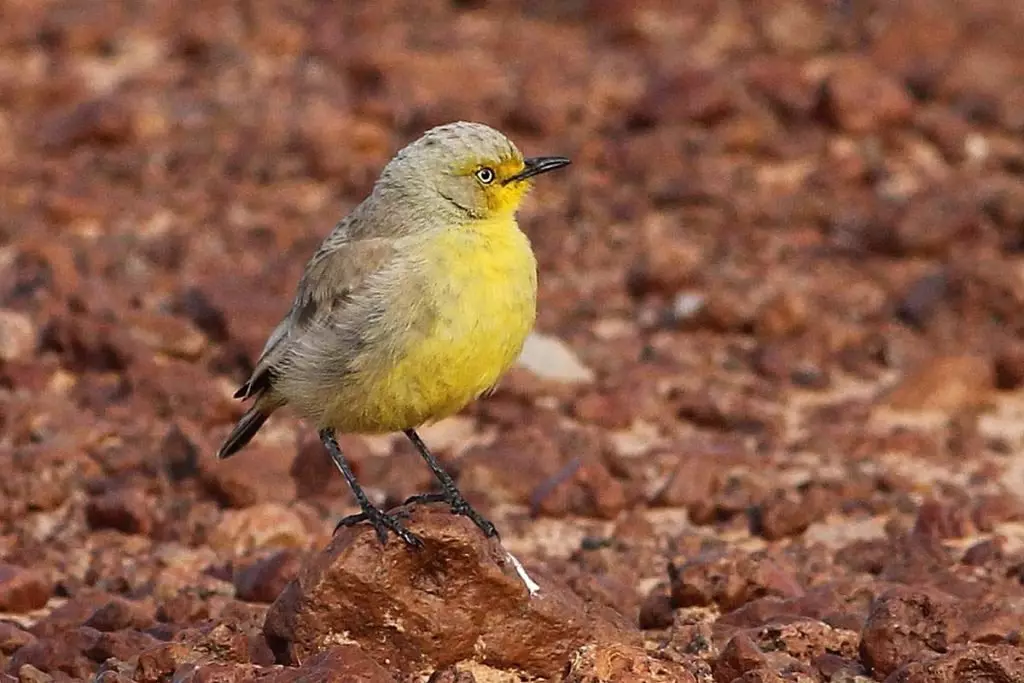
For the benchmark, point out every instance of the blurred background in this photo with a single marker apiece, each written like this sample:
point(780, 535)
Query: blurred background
point(781, 295)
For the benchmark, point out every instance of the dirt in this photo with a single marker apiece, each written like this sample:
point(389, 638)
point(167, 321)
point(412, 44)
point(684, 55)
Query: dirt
point(773, 429)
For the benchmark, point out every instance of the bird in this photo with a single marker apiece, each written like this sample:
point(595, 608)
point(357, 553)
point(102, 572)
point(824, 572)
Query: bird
point(413, 306)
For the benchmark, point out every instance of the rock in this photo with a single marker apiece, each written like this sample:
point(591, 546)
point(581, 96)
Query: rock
point(128, 511)
point(907, 622)
point(935, 223)
point(158, 663)
point(260, 474)
point(61, 654)
point(120, 614)
point(970, 664)
point(862, 99)
point(269, 525)
point(12, 638)
point(22, 590)
point(263, 580)
point(29, 674)
point(167, 335)
point(549, 358)
point(458, 598)
point(339, 664)
point(217, 672)
point(623, 664)
point(730, 580)
point(17, 336)
point(946, 384)
point(104, 120)
point(121, 645)
point(665, 267)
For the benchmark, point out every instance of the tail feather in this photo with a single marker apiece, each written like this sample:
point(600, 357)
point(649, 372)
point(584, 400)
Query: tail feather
point(243, 432)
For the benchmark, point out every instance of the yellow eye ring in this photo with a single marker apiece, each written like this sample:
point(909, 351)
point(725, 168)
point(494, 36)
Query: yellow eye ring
point(485, 175)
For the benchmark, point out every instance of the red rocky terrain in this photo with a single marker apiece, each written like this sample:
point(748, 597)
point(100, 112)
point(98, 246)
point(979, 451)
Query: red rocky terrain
point(772, 429)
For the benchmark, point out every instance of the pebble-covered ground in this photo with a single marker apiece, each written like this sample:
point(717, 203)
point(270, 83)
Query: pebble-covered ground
point(771, 428)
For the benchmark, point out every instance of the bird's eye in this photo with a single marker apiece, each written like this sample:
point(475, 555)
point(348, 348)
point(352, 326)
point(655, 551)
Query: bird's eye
point(485, 175)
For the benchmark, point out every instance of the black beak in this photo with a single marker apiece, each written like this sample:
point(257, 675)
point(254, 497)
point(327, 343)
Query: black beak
point(537, 165)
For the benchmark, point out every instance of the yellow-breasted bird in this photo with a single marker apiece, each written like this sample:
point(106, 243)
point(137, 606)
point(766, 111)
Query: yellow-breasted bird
point(415, 304)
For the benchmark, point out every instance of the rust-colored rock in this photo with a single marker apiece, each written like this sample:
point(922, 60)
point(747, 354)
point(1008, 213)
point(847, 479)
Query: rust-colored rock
point(968, 664)
point(263, 580)
point(623, 664)
point(22, 590)
point(905, 623)
point(730, 580)
point(458, 598)
point(339, 664)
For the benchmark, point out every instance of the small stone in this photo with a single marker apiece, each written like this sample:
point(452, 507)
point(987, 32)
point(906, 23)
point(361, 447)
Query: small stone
point(623, 664)
point(862, 99)
point(947, 384)
point(905, 623)
point(338, 664)
point(17, 336)
point(263, 580)
point(269, 525)
point(549, 358)
point(128, 511)
point(22, 590)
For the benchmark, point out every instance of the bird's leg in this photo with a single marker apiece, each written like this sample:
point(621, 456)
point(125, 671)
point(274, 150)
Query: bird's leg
point(380, 520)
point(449, 493)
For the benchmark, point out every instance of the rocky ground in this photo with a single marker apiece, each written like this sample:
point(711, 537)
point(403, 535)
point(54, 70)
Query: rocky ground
point(780, 438)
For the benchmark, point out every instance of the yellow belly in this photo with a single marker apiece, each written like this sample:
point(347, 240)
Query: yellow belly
point(483, 294)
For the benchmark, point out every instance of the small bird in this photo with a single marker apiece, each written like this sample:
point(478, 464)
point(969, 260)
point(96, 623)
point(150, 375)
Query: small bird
point(413, 306)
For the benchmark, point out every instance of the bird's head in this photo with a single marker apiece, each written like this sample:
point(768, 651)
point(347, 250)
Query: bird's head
point(473, 167)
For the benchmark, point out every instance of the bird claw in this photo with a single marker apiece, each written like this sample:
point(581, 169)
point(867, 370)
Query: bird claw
point(382, 523)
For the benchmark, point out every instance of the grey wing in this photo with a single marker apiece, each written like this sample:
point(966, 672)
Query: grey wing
point(328, 282)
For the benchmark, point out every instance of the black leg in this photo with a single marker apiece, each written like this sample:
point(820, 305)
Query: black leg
point(450, 494)
point(380, 521)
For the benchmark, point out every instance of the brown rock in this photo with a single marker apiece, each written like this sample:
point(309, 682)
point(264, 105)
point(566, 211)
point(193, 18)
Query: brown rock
point(656, 611)
point(218, 672)
point(969, 664)
point(264, 579)
point(588, 489)
point(158, 663)
point(104, 120)
point(730, 580)
point(339, 664)
point(934, 223)
point(863, 99)
point(943, 520)
point(62, 655)
point(458, 598)
point(664, 268)
point(12, 638)
point(129, 511)
point(259, 475)
point(782, 82)
point(451, 674)
point(121, 645)
point(948, 384)
point(17, 335)
point(22, 590)
point(806, 639)
point(29, 674)
point(269, 525)
point(167, 335)
point(121, 614)
point(905, 623)
point(623, 664)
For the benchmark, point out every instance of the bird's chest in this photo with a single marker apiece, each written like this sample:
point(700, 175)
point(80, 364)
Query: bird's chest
point(485, 303)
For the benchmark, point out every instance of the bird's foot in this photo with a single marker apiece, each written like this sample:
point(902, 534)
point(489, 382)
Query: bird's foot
point(382, 522)
point(458, 506)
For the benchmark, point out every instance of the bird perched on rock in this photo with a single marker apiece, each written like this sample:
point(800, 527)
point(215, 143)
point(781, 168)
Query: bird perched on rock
point(415, 304)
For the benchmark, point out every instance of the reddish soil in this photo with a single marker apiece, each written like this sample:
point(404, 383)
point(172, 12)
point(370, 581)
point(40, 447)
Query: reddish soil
point(790, 251)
